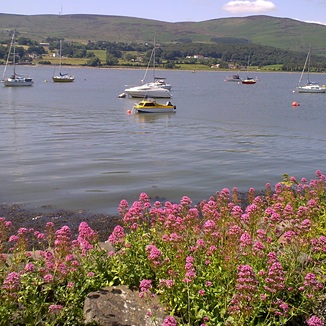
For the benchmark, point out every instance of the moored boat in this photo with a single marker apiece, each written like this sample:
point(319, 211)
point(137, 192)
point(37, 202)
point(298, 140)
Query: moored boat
point(151, 106)
point(248, 81)
point(15, 80)
point(233, 78)
point(62, 78)
point(158, 88)
point(309, 87)
point(148, 91)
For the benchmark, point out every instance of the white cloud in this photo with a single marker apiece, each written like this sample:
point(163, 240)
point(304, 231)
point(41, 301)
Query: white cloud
point(314, 22)
point(246, 6)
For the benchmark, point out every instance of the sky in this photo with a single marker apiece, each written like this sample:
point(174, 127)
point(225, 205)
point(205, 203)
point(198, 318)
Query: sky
point(174, 10)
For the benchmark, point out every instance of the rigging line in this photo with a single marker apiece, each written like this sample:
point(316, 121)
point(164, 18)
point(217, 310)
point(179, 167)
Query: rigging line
point(11, 43)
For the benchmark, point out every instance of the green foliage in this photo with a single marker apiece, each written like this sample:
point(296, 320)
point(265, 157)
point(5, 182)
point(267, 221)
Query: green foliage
point(93, 62)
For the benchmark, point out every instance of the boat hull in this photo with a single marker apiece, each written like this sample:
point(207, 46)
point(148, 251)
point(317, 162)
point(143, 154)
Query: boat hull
point(148, 106)
point(154, 110)
point(248, 81)
point(148, 91)
point(63, 79)
point(311, 89)
point(18, 82)
point(141, 94)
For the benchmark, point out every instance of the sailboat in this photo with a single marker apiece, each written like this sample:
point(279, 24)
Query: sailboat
point(15, 79)
point(310, 87)
point(157, 81)
point(62, 78)
point(157, 88)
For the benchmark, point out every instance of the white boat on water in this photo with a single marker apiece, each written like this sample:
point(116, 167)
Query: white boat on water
point(159, 82)
point(62, 78)
point(15, 80)
point(309, 87)
point(157, 88)
point(148, 91)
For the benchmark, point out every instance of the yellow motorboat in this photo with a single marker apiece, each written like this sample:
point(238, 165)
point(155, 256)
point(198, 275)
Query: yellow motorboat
point(151, 106)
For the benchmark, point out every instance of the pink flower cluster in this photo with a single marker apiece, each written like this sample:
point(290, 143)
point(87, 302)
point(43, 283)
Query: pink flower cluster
point(86, 237)
point(246, 286)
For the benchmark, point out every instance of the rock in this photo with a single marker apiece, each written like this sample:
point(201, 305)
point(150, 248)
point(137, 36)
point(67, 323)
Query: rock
point(120, 306)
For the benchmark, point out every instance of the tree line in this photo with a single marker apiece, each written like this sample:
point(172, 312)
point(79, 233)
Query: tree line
point(221, 51)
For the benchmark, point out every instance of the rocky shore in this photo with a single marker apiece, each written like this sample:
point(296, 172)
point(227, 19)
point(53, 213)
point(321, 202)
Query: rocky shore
point(36, 218)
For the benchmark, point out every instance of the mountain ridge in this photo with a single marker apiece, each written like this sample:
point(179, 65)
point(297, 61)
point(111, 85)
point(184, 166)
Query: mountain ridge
point(284, 33)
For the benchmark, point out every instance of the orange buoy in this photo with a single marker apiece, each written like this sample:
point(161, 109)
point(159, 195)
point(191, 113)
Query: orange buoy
point(129, 111)
point(295, 104)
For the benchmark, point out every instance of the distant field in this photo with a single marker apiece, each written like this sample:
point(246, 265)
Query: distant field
point(101, 54)
point(122, 63)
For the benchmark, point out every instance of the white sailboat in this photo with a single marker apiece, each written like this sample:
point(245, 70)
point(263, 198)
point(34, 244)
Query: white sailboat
point(15, 80)
point(157, 88)
point(309, 87)
point(157, 81)
point(62, 78)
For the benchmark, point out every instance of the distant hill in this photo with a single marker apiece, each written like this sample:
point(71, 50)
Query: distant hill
point(281, 33)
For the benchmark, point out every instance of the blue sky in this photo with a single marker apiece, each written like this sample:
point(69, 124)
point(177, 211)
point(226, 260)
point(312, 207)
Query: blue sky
point(174, 10)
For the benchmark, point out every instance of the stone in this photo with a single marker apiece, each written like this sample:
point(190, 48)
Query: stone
point(121, 306)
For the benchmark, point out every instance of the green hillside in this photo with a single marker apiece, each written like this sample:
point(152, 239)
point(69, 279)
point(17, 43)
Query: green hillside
point(281, 33)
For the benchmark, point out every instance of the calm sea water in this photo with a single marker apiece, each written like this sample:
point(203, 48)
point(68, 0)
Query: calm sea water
point(74, 146)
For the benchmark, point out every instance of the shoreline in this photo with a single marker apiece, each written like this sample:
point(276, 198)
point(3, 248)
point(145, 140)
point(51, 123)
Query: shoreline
point(36, 218)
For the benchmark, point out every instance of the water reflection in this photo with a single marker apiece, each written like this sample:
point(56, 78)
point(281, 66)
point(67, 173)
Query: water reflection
point(152, 117)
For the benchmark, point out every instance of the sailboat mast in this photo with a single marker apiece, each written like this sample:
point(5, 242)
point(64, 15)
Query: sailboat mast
point(154, 58)
point(14, 59)
point(8, 57)
point(60, 50)
point(304, 67)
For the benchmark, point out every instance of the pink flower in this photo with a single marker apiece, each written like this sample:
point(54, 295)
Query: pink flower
point(209, 226)
point(70, 284)
point(86, 233)
point(275, 278)
point(190, 259)
point(29, 267)
point(12, 282)
point(123, 207)
point(143, 198)
point(185, 201)
point(258, 246)
point(167, 283)
point(153, 252)
point(117, 236)
point(314, 321)
point(13, 238)
point(48, 278)
point(245, 240)
point(55, 308)
point(288, 235)
point(169, 321)
point(200, 243)
point(208, 283)
point(145, 285)
point(236, 212)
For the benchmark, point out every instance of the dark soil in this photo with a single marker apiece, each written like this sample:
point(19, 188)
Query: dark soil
point(21, 216)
